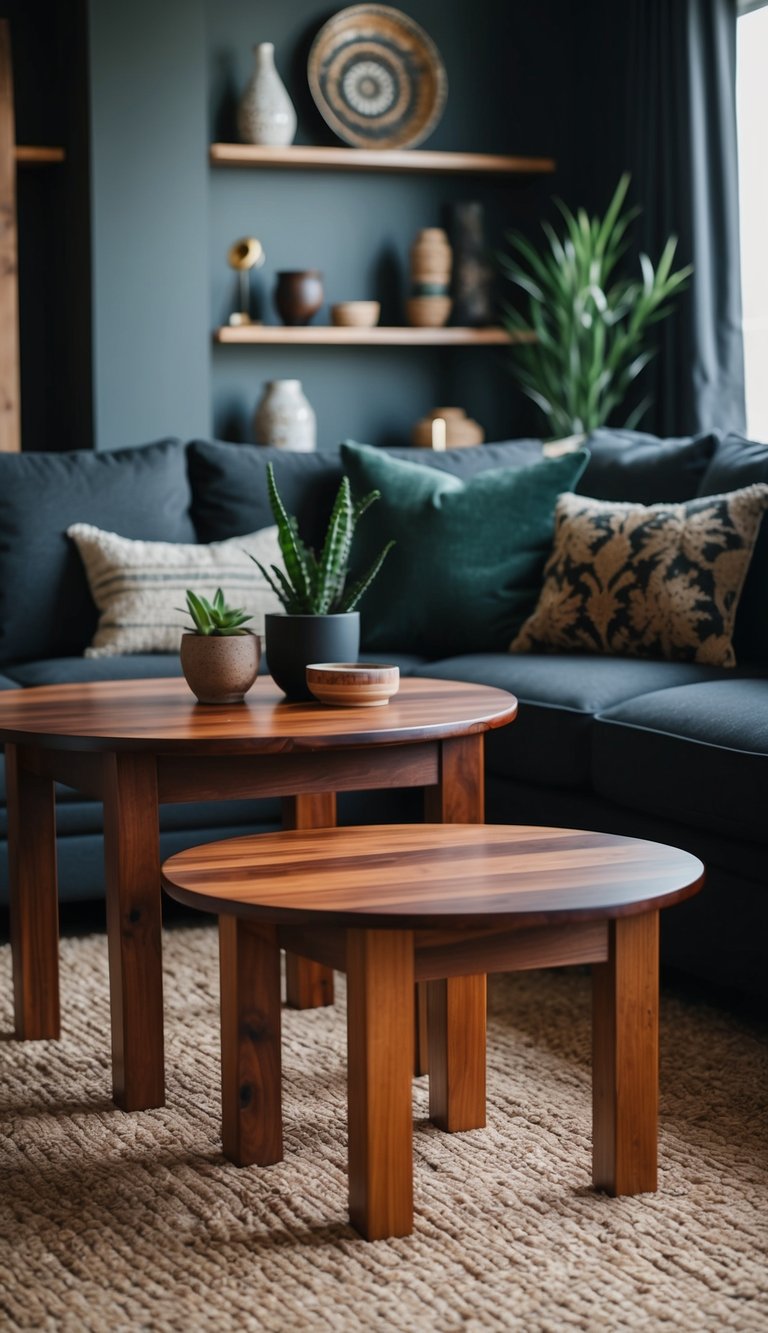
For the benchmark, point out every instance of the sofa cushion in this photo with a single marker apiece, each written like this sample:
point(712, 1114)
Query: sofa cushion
point(646, 581)
point(140, 587)
point(549, 742)
point(136, 666)
point(46, 609)
point(229, 488)
point(739, 462)
point(229, 484)
point(83, 670)
point(629, 465)
point(468, 556)
point(696, 753)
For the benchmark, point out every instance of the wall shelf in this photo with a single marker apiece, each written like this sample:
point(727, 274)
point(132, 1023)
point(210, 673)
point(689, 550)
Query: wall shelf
point(28, 155)
point(380, 336)
point(298, 157)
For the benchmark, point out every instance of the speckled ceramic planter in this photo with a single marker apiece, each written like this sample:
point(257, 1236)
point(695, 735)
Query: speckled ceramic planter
point(220, 669)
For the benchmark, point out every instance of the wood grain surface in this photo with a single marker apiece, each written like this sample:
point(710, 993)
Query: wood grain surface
point(164, 715)
point(375, 159)
point(625, 1058)
point(10, 391)
point(412, 876)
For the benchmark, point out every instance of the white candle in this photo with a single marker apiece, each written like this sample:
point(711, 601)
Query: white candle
point(438, 433)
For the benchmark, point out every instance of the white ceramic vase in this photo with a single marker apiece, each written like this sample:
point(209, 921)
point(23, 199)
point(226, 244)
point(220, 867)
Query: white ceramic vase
point(284, 418)
point(266, 113)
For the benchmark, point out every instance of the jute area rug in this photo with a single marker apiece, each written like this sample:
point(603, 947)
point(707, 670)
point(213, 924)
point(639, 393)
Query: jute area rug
point(111, 1221)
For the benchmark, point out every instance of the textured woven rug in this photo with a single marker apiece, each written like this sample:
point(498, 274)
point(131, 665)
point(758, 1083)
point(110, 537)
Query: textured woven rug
point(111, 1221)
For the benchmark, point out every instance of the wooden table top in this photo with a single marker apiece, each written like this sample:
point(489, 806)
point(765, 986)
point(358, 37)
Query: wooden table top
point(164, 715)
point(427, 876)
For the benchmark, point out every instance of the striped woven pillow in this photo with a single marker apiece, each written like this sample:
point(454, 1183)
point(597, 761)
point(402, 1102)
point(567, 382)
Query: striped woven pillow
point(139, 586)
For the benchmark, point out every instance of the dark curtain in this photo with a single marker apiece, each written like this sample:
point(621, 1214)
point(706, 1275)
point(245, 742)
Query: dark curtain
point(681, 151)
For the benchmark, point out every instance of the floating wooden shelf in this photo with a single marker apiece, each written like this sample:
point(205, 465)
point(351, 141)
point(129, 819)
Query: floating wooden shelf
point(367, 159)
point(380, 336)
point(29, 156)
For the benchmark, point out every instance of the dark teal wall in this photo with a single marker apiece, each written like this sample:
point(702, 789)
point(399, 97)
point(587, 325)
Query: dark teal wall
point(165, 78)
point(503, 62)
point(149, 220)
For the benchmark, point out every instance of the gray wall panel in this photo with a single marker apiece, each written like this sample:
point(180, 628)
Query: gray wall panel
point(149, 218)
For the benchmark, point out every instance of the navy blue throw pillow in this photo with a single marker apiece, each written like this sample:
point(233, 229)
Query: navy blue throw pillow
point(46, 609)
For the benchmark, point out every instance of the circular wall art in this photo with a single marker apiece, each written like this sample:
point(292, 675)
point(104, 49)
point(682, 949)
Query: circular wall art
point(377, 78)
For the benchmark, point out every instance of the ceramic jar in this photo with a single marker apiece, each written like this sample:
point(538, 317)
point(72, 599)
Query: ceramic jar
point(266, 114)
point(429, 304)
point(298, 295)
point(431, 261)
point(460, 431)
point(284, 418)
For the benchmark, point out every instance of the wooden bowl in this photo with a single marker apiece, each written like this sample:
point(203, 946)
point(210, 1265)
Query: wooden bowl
point(349, 685)
point(356, 314)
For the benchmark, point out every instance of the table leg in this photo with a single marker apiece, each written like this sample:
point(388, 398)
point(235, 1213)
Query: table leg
point(308, 985)
point(134, 929)
point(456, 1007)
point(456, 1022)
point(252, 1128)
point(34, 907)
point(625, 1058)
point(380, 1061)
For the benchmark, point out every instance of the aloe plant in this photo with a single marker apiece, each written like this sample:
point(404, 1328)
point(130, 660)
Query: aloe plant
point(215, 618)
point(590, 322)
point(312, 585)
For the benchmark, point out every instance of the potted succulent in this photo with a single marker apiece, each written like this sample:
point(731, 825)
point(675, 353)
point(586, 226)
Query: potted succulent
point(219, 658)
point(320, 623)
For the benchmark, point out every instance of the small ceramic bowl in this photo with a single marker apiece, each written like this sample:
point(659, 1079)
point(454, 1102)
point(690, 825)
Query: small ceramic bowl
point(356, 314)
point(349, 685)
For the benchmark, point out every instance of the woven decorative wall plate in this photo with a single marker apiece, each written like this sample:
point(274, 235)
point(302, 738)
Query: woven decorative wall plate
point(377, 78)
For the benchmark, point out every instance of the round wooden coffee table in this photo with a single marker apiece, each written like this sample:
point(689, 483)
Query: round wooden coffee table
point(138, 744)
point(428, 902)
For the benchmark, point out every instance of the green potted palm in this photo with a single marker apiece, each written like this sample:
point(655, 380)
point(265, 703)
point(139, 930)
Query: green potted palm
point(219, 656)
point(320, 622)
point(591, 321)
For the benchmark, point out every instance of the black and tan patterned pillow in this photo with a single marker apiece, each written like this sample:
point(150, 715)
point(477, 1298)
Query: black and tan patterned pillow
point(646, 581)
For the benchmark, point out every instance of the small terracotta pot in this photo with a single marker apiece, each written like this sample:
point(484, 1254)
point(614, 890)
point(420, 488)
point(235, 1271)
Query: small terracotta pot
point(220, 669)
point(298, 296)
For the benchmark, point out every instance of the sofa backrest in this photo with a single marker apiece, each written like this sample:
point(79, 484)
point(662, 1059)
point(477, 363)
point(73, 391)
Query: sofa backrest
point(229, 485)
point(738, 462)
point(46, 609)
point(210, 490)
point(643, 469)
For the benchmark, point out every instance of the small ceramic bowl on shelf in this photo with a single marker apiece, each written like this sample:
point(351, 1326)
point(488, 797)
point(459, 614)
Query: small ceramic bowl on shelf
point(352, 684)
point(356, 314)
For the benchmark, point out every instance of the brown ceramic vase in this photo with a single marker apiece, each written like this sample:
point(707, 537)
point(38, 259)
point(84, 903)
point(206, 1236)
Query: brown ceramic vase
point(298, 296)
point(220, 668)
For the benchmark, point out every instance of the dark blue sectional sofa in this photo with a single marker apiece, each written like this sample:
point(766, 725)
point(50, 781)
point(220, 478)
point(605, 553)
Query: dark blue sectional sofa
point(667, 750)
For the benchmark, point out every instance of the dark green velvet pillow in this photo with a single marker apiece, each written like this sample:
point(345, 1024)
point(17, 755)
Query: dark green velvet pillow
point(467, 567)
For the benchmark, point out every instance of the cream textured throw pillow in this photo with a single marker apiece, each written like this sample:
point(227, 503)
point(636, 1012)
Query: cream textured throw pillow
point(138, 586)
point(632, 580)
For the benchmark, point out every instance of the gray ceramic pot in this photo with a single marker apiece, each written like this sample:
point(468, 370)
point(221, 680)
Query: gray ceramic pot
point(292, 642)
point(220, 669)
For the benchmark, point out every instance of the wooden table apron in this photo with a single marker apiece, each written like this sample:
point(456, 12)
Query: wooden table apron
point(134, 776)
